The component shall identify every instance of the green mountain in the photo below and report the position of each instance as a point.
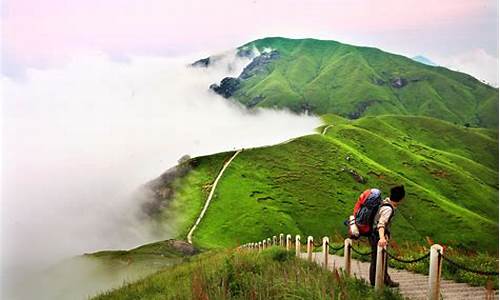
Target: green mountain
(330, 77)
(309, 186)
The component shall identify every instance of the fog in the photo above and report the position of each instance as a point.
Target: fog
(79, 139)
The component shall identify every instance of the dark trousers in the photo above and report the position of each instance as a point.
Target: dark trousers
(373, 263)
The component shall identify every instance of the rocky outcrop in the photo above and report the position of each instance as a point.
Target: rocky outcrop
(204, 62)
(245, 52)
(228, 86)
(158, 193)
(399, 82)
(259, 64)
(361, 108)
(182, 247)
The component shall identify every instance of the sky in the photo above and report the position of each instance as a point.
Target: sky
(460, 34)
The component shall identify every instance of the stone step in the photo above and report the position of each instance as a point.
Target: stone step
(412, 286)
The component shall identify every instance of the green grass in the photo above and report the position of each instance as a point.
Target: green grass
(309, 186)
(139, 261)
(331, 77)
(271, 274)
(190, 194)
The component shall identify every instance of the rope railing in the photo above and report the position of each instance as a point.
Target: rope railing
(436, 257)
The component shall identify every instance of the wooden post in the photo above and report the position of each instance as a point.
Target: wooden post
(347, 256)
(269, 243)
(264, 244)
(310, 242)
(297, 245)
(274, 240)
(282, 240)
(326, 248)
(435, 271)
(380, 269)
(260, 246)
(288, 242)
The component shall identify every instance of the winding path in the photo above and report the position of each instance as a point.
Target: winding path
(412, 285)
(326, 129)
(210, 195)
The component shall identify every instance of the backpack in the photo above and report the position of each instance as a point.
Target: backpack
(367, 206)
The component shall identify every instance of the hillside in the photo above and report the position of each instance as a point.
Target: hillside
(309, 185)
(330, 77)
(272, 274)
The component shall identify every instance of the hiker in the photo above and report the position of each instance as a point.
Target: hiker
(381, 232)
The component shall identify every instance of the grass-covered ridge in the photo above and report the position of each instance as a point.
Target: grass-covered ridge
(331, 77)
(271, 274)
(309, 186)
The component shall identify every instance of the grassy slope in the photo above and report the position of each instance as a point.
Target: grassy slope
(272, 274)
(336, 78)
(193, 190)
(153, 253)
(305, 187)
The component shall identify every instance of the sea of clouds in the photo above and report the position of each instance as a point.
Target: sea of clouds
(79, 139)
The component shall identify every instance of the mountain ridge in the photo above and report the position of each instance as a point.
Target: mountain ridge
(320, 76)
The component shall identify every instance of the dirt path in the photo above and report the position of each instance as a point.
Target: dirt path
(412, 285)
(210, 195)
(326, 129)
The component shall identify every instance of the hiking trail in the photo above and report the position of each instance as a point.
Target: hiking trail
(210, 195)
(412, 285)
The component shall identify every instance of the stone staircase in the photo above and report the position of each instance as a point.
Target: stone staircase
(412, 285)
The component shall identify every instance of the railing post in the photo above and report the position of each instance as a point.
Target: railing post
(274, 240)
(380, 268)
(297, 245)
(288, 242)
(310, 242)
(282, 240)
(435, 271)
(347, 256)
(326, 248)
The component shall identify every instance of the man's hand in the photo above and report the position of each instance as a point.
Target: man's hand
(381, 233)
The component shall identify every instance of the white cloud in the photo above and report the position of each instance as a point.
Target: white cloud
(476, 62)
(79, 139)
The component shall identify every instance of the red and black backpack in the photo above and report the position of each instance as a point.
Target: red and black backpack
(365, 210)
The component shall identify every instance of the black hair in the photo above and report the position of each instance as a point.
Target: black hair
(397, 193)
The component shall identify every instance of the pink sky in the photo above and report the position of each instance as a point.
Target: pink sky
(45, 32)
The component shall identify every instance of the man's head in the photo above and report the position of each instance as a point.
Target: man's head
(397, 193)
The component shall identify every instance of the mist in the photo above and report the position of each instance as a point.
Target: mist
(78, 140)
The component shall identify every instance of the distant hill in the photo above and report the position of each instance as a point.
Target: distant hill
(424, 60)
(309, 185)
(318, 76)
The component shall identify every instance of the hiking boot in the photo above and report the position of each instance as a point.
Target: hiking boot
(391, 283)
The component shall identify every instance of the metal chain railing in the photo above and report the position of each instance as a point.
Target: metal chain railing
(407, 261)
(465, 268)
(335, 250)
(361, 253)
